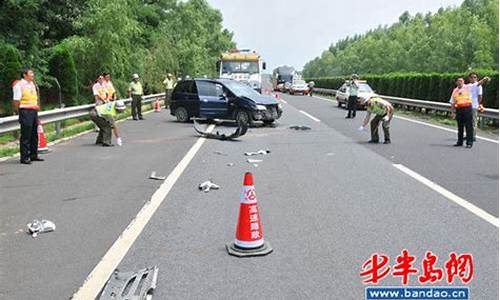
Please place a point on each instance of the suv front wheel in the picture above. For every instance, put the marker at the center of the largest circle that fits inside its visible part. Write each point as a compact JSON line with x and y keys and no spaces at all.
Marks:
{"x":242,"y":116}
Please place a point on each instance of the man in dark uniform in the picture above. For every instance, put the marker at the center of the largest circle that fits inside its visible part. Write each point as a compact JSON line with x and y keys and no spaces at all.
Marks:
{"x":26,"y":104}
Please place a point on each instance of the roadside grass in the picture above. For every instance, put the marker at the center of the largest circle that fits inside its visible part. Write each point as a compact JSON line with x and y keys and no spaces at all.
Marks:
{"x":9,"y":142}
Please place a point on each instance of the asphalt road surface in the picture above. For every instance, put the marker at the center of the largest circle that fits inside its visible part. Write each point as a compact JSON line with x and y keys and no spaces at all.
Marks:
{"x":328,"y":202}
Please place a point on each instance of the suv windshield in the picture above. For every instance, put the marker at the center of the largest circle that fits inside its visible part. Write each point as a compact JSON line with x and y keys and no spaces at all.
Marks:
{"x":240,"y":67}
{"x":241,"y":89}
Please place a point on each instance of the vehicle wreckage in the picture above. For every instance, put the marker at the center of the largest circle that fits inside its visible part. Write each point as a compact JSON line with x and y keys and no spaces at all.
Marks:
{"x":241,"y":130}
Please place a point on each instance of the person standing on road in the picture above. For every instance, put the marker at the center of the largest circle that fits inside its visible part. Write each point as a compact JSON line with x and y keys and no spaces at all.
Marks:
{"x":110,"y":88}
{"x":383,"y":111}
{"x":99,"y":91}
{"x":353,"y":96}
{"x":26,"y":104}
{"x":104,"y":117}
{"x":477,"y":100}
{"x":169,"y":83}
{"x":135,"y":92}
{"x":310,"y":85}
{"x":461,"y":110}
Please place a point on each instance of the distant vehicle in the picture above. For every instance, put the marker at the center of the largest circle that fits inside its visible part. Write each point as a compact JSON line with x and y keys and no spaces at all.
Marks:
{"x":365,"y":92}
{"x":242,"y":65}
{"x":299,"y":87}
{"x":281,"y":76}
{"x":222,"y":99}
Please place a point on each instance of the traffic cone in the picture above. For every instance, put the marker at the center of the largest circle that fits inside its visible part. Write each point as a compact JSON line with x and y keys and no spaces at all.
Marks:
{"x":42,"y":140}
{"x":249,"y":239}
{"x":157,"y":106}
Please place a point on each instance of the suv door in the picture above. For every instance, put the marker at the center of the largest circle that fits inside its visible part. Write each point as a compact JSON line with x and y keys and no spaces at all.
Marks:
{"x":213,"y":103}
{"x":186,"y":96}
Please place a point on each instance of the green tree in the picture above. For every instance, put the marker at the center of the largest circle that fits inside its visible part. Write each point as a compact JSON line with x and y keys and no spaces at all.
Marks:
{"x":62,"y":68}
{"x":10,"y":70}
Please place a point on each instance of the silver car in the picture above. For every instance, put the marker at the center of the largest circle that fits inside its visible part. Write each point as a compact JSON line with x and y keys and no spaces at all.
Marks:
{"x":364,"y":93}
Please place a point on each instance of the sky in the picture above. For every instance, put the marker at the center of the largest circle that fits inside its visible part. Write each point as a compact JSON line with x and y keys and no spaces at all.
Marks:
{"x":292,"y":32}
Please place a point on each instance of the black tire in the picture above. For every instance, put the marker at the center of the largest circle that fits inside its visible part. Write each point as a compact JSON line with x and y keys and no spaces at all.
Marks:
{"x":243,"y":116}
{"x":181,"y":114}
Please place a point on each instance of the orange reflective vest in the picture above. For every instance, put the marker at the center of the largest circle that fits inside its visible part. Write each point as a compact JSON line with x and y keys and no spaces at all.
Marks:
{"x":462,"y":97}
{"x":110,"y":90}
{"x":29,"y":95}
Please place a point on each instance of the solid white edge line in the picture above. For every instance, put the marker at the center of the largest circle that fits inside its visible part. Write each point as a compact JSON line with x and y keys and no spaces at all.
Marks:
{"x":442,"y":128}
{"x":100,"y":274}
{"x":310,"y":116}
{"x":458,"y":200}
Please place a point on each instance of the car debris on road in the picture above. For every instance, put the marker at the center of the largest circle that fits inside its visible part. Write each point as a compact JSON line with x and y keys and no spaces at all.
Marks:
{"x":156,"y":177}
{"x":43,"y":226}
{"x":260,"y":152}
{"x":207,"y":186}
{"x":138,"y":285}
{"x":240,"y":131}
{"x":299,"y":127}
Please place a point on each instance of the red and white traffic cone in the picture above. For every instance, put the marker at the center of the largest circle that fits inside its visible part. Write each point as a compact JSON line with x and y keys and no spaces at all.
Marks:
{"x":42,"y":140}
{"x":249,"y":239}
{"x":157,"y":106}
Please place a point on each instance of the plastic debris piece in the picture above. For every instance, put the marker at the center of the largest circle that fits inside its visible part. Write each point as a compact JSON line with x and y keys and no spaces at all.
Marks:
{"x":300,"y":127}
{"x":207,"y":186}
{"x":240,"y":131}
{"x":361,"y":128}
{"x":138,"y":285}
{"x":260,"y":152}
{"x":253,"y":161}
{"x":230,"y":164}
{"x":220,"y":153}
{"x":156,"y":177}
{"x":43,"y":226}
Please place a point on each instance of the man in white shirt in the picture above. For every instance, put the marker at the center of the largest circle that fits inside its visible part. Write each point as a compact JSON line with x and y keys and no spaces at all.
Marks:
{"x":477,"y":99}
{"x":99,"y":91}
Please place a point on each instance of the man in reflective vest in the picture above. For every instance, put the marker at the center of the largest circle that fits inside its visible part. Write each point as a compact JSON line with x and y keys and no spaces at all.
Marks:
{"x":169,"y":84}
{"x":110,"y":88}
{"x":383,"y":111}
{"x":27,"y":104}
{"x":104,"y":117}
{"x":99,"y":91}
{"x":461,"y":110}
{"x":135,"y":92}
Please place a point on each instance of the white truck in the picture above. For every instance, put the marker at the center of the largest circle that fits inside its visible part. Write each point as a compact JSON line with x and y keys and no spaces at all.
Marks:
{"x":242,"y":65}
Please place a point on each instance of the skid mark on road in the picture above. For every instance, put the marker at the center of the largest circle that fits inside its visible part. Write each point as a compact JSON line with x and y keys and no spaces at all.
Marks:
{"x":99,"y":276}
{"x":458,"y":200}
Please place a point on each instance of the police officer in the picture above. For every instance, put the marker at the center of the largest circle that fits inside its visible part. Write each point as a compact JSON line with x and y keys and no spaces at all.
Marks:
{"x":135,"y":92}
{"x":103,"y":116}
{"x":383,"y":111}
{"x":461,"y":110}
{"x":99,"y":91}
{"x":169,"y":83}
{"x":353,"y":96}
{"x":310,"y":85}
{"x":27,"y":104}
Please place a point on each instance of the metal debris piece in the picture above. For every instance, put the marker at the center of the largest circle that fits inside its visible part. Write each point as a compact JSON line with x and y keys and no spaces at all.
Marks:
{"x":37,"y":226}
{"x":220,"y":153}
{"x":138,"y":285}
{"x":230,"y":164}
{"x":260,"y":152}
{"x":240,"y":131}
{"x":330,"y":154}
{"x":207,"y":186}
{"x":300,"y":127}
{"x":156,"y":177}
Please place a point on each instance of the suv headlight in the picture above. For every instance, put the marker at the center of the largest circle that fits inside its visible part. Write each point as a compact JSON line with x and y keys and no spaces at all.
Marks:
{"x":261,"y":107}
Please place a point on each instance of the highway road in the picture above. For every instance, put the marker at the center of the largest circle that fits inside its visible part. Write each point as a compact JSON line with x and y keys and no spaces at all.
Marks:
{"x":328,"y":202}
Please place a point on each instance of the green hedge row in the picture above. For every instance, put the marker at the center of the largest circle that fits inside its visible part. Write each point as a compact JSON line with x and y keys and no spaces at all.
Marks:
{"x":432,"y":87}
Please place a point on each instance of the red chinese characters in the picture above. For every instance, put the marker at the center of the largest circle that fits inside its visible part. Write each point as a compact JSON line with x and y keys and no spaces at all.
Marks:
{"x":377,"y":267}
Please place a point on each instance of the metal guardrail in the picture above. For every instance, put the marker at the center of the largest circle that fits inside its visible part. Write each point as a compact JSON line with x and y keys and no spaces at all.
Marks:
{"x":488,"y":113}
{"x":8,"y":124}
